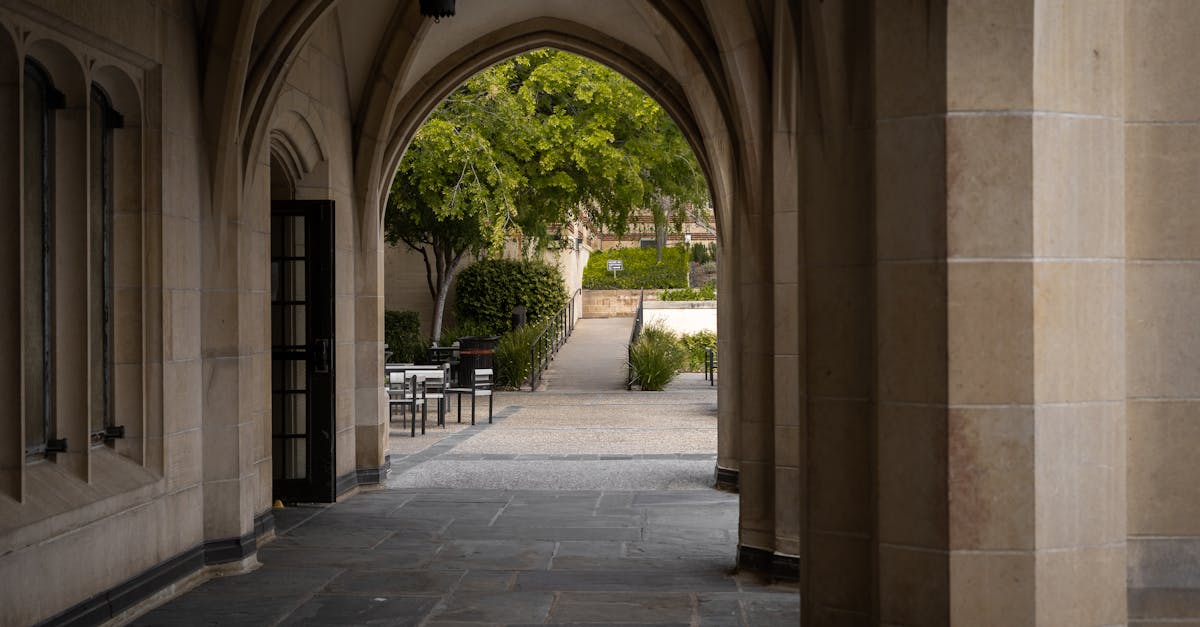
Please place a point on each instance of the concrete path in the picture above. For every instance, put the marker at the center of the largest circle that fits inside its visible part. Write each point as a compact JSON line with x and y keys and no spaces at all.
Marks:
{"x":575,"y":506}
{"x":593,"y":358}
{"x":576,"y":441}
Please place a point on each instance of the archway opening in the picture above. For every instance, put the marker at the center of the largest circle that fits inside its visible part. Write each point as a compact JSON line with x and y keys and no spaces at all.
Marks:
{"x":552,"y":156}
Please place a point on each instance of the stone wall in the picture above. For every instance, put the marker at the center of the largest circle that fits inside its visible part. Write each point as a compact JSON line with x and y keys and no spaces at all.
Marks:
{"x":77,"y":523}
{"x":683,"y":316}
{"x":614,"y":303}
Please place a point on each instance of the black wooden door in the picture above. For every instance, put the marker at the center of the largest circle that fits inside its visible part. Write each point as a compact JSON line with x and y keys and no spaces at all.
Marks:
{"x":302,"y":355}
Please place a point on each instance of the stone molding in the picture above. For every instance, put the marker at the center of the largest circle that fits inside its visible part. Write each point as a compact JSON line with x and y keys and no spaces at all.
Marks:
{"x":769,"y":563}
{"x":120,"y":598}
{"x":726,"y":478}
{"x":364,"y":476}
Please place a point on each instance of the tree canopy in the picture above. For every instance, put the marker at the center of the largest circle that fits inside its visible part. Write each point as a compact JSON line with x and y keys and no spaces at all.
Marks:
{"x":527,"y":146}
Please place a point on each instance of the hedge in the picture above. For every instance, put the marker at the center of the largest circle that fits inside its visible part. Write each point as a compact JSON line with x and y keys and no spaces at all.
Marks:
{"x":488,"y":290}
{"x":641,"y":269}
{"x":708,"y":292}
{"x":402,"y":334}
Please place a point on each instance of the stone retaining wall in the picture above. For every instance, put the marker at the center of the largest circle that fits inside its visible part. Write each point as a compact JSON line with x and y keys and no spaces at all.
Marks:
{"x":614,"y":303}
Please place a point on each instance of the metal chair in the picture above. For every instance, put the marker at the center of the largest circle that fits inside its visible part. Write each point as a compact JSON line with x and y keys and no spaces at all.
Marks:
{"x":409,"y":393}
{"x":434,"y":383}
{"x":479,"y":385}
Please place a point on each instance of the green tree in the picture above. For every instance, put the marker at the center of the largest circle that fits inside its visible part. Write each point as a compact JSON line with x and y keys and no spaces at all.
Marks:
{"x":604,"y":142}
{"x":527,"y":146}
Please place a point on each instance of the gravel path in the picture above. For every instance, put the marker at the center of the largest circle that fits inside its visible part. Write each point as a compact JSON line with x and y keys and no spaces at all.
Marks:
{"x":572,"y":440}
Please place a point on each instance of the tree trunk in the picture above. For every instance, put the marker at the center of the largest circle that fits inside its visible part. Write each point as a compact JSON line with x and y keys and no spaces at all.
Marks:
{"x":662,"y":222}
{"x":446,"y":274}
{"x":439,"y":308}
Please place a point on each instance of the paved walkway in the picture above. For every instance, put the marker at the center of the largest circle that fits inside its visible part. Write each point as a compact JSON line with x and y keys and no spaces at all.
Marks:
{"x":593,"y":359}
{"x":577,"y":440}
{"x":459,"y":558}
{"x":576,"y":506}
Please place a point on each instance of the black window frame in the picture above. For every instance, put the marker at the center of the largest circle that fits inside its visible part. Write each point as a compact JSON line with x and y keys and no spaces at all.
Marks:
{"x":36,"y":77}
{"x":110,"y":120}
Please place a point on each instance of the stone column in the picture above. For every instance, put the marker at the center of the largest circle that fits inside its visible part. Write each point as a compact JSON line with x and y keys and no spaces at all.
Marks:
{"x":911,"y":560}
{"x":1162,"y":245}
{"x":1001,"y":349}
{"x":788,"y":277}
{"x":835,"y":318}
{"x":228,"y":403}
{"x":370,"y":408}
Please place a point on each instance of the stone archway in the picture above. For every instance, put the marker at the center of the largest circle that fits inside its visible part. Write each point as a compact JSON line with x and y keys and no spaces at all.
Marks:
{"x":724,"y":132}
{"x":704,"y":63}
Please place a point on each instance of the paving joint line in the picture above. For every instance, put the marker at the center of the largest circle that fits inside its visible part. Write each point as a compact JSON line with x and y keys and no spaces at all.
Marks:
{"x":448,"y":443}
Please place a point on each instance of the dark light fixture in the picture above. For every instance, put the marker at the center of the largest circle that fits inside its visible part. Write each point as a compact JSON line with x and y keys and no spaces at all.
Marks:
{"x":437,"y":9}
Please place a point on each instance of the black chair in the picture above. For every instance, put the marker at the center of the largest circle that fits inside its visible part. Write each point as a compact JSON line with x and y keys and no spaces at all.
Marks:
{"x":479,"y":385}
{"x":407,"y":392}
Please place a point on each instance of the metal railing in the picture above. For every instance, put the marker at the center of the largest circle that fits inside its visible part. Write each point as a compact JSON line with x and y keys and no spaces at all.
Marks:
{"x":710,"y":366}
{"x":633,"y":337}
{"x":546,"y":345}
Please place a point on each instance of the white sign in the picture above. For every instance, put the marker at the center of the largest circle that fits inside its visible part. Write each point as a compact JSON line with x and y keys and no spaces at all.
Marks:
{"x":615,"y":264}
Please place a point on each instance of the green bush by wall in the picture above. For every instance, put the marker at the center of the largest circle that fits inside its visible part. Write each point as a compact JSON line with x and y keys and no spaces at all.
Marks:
{"x":704,"y":253}
{"x":707,"y":292}
{"x":402,"y":334}
{"x":641,"y":269}
{"x":695,"y":345}
{"x":488,"y":290}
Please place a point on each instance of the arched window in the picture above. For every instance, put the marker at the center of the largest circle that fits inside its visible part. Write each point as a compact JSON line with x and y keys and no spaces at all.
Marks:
{"x":102,"y":120}
{"x":37,"y":270}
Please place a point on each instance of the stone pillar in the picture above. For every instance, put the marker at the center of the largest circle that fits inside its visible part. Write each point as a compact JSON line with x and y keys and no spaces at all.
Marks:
{"x":728,"y":327}
{"x":754,"y":309}
{"x":1001,"y":424}
{"x":787,"y":274}
{"x":836,"y":310}
{"x":370,"y":407}
{"x":1162,"y":245}
{"x":912,"y":577}
{"x":752,"y":373}
{"x":228,"y":420}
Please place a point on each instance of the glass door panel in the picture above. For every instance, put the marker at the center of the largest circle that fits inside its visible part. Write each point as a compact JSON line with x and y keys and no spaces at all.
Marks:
{"x":302,"y":401}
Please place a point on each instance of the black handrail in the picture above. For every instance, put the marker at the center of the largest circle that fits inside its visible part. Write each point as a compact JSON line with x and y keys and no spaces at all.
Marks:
{"x":558,"y":328}
{"x":633,"y":337}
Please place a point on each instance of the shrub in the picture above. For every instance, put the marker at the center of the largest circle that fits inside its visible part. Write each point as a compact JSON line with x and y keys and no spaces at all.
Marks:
{"x":707,"y":292}
{"x":657,"y":331}
{"x":655,"y":358}
{"x":641,"y":269}
{"x":695,"y":344}
{"x":466,"y":328}
{"x":700,"y":253}
{"x":488,"y":290}
{"x":402,"y":334}
{"x":512,"y":359}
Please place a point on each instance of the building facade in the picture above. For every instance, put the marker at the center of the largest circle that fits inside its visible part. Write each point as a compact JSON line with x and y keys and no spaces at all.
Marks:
{"x":960,"y":372}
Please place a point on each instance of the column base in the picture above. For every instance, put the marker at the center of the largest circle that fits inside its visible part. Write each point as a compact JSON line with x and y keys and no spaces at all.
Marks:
{"x":364,"y":476}
{"x":727,"y":479}
{"x":769,"y":563}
